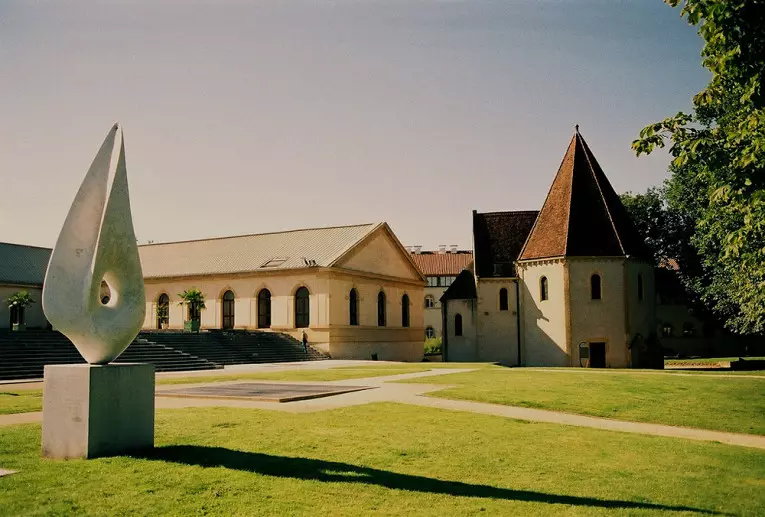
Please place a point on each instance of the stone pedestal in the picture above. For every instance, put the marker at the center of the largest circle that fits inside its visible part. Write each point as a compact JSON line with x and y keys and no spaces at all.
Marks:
{"x":92,"y":410}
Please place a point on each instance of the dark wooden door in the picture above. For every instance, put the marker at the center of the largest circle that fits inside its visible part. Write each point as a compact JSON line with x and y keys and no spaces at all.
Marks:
{"x":597,"y":355}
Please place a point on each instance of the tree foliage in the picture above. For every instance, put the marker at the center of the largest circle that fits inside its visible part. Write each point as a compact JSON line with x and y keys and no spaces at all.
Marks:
{"x":718,"y":167}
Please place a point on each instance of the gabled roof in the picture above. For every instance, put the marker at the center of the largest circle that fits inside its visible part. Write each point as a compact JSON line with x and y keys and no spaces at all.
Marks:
{"x":294,"y":249}
{"x":23,"y":265}
{"x":442,"y":264}
{"x":498,"y":238}
{"x":582,"y":215}
{"x":463,"y":287}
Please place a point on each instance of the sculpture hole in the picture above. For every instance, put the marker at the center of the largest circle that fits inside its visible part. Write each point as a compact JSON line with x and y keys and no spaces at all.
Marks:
{"x":106,"y":293}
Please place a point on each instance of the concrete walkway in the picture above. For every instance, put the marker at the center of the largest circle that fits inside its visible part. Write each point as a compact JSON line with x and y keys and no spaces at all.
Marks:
{"x":384,"y":390}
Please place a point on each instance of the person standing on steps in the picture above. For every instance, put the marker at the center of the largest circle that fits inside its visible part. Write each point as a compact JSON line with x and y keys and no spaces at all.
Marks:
{"x":305,"y":343}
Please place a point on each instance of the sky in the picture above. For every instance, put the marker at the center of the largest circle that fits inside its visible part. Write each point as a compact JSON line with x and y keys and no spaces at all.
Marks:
{"x":257,"y":116}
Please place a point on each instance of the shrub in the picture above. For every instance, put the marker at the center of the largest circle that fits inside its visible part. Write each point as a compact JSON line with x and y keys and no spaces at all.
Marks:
{"x":433,"y":346}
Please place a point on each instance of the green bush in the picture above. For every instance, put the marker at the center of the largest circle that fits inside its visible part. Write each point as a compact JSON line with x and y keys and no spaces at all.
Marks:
{"x":433,"y":345}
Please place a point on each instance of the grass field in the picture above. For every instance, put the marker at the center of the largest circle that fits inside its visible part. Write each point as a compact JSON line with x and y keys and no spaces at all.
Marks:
{"x":383,"y":459}
{"x":708,"y":402}
{"x":20,"y":401}
{"x":333,"y":374}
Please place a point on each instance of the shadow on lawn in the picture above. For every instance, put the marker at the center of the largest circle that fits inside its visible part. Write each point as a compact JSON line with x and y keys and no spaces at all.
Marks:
{"x":320,"y":470}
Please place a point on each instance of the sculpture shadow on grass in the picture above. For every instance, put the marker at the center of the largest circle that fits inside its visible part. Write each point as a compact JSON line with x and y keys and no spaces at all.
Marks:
{"x":330,"y":471}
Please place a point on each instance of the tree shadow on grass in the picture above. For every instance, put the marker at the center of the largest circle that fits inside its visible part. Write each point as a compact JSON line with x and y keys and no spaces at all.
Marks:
{"x":330,"y":471}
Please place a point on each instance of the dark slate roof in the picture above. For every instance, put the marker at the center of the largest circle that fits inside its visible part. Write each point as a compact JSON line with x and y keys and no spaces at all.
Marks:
{"x":498,"y":239}
{"x":463,"y":287}
{"x":582,"y":215}
{"x":23,"y":265}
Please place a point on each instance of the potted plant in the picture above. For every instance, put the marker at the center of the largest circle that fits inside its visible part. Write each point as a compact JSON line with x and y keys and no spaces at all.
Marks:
{"x":17,"y":303}
{"x":195,"y":301}
{"x":162,"y":312}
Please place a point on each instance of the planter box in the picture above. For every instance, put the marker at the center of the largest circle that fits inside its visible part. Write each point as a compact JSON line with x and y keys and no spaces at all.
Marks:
{"x":191,"y":326}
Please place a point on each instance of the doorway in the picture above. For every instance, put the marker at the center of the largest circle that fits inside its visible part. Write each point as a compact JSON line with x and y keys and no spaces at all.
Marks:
{"x":597,"y":355}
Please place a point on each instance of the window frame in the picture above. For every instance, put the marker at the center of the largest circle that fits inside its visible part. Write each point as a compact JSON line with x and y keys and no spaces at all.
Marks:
{"x":544,"y":289}
{"x":504,"y":297}
{"x":382,"y":309}
{"x":595,"y":278}
{"x":305,"y":301}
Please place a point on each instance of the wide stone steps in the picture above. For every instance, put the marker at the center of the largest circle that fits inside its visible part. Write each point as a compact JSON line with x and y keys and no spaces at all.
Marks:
{"x":23,"y":355}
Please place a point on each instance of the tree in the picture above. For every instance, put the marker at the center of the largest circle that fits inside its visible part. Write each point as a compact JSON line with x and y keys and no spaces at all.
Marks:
{"x":195,"y":300}
{"x":718,"y":167}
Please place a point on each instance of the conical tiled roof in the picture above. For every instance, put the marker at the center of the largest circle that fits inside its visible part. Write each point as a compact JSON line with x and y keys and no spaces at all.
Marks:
{"x":582,"y":215}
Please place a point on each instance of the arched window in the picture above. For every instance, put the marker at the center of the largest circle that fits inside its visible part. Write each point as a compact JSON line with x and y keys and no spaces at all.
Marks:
{"x":430,"y":302}
{"x":228,"y":310}
{"x":430,"y":333}
{"x":302,"y":308}
{"x":458,"y":324}
{"x":264,"y":309}
{"x":381,"y":309}
{"x":640,"y":287}
{"x":543,"y":288}
{"x":163,"y":310}
{"x":503,"y":299}
{"x":353,"y":307}
{"x":595,"y":286}
{"x":405,"y":310}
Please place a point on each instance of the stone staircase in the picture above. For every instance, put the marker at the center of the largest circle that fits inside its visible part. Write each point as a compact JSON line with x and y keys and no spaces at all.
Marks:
{"x":23,"y":355}
{"x":227,"y":347}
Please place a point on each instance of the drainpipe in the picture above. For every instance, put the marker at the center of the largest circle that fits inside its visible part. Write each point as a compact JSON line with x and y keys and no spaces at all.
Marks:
{"x":518,"y":318}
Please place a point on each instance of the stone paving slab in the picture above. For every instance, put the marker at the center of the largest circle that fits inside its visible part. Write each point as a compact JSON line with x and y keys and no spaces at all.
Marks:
{"x":6,"y":472}
{"x":272,"y":392}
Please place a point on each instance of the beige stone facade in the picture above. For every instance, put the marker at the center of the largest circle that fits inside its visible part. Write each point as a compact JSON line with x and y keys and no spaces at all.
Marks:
{"x":570,"y":285}
{"x":376,"y":267}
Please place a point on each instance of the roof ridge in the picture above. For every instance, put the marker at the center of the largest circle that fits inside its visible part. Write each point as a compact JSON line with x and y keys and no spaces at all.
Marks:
{"x":260,"y":234}
{"x":26,"y":246}
{"x":508,"y":212}
{"x":549,"y":190}
{"x":577,"y":135}
{"x":602,"y":197}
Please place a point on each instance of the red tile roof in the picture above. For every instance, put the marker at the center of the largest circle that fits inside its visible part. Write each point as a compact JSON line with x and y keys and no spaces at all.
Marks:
{"x":582,"y":215}
{"x":442,"y":264}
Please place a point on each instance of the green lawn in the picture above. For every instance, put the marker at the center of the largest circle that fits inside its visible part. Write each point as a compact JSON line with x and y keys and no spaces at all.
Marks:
{"x":383,"y":459}
{"x":20,"y":401}
{"x":708,"y":402}
{"x":333,"y":374}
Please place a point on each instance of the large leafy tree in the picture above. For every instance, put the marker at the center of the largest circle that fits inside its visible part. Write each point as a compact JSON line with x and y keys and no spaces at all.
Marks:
{"x":718,"y":162}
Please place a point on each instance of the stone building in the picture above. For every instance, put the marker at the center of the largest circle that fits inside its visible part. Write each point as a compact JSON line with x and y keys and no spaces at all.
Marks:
{"x":571,"y":285}
{"x":440,"y":268}
{"x":22,"y":268}
{"x":353,"y":290}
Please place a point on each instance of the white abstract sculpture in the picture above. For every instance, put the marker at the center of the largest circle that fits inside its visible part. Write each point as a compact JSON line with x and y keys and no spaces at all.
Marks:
{"x":97,"y":243}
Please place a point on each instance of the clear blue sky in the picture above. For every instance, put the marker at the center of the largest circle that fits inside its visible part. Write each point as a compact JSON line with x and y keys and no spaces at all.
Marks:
{"x":253,"y":116}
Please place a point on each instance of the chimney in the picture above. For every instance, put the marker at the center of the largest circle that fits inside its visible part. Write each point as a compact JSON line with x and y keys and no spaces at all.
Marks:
{"x":441,"y":249}
{"x":453,"y":248}
{"x":417,"y":249}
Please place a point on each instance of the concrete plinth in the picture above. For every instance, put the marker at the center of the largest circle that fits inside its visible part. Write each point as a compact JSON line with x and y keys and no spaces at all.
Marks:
{"x":91,"y":410}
